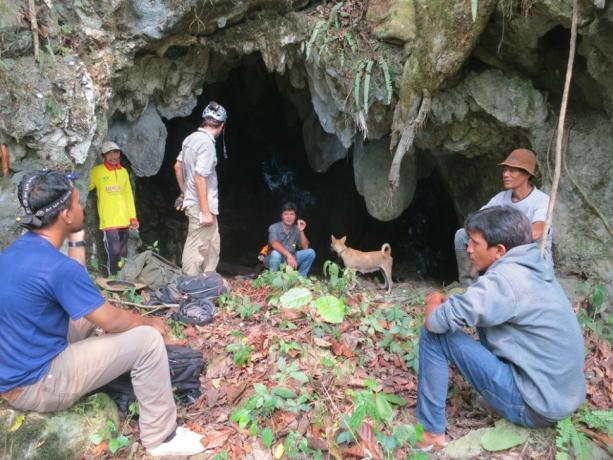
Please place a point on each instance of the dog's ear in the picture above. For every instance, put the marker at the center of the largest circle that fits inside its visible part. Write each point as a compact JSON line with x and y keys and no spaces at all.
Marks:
{"x":332,"y":238}
{"x":343,"y":239}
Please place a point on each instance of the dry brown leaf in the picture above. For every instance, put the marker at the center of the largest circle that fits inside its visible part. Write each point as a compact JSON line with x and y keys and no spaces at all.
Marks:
{"x":357,"y":450}
{"x":321,"y":342}
{"x":215,"y":439}
{"x":235,"y":391}
{"x":339,"y":348}
{"x":317,"y":443}
{"x":369,"y":441}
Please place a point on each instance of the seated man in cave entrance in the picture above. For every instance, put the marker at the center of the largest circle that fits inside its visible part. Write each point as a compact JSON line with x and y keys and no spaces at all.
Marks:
{"x":517,"y":172}
{"x":288,"y":242}
{"x":528,"y":362}
{"x":195,"y":170}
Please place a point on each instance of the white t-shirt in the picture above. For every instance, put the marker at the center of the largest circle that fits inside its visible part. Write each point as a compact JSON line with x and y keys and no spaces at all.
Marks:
{"x":534,"y":207}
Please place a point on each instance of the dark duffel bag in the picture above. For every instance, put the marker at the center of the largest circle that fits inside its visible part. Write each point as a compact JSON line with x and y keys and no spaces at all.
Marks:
{"x":207,"y":285}
{"x":186,"y":366}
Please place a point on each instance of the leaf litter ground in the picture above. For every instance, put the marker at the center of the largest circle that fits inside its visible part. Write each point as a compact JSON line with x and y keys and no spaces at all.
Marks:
{"x":282,"y":382}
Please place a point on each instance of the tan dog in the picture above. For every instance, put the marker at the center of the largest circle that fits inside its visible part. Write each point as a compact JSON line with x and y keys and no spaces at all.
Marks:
{"x":366,"y":262}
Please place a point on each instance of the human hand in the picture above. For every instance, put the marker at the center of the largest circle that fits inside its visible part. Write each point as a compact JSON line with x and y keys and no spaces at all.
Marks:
{"x":206,"y":219}
{"x":433,"y":301}
{"x":435,"y":298}
{"x":291,"y":261}
{"x":301,"y":224}
{"x":179,"y":202}
{"x":134,"y":223}
{"x":77,"y":236}
{"x":157,"y":323}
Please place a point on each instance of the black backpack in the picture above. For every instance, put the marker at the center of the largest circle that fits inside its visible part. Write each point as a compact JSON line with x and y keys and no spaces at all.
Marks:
{"x":186,"y":366}
{"x":199,"y":292}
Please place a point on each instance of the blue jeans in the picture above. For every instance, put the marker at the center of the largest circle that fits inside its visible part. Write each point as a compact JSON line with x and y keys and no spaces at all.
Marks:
{"x":304,"y":258}
{"x":490,"y":376}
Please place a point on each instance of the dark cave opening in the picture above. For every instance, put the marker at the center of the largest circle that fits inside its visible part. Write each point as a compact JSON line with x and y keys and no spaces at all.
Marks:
{"x":266,"y":166}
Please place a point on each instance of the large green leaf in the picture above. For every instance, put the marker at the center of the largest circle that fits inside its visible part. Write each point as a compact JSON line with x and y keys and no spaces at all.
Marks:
{"x":296,"y":298}
{"x":331,"y":309}
{"x":503,"y":436}
{"x":267,"y":437}
{"x":384,"y":408}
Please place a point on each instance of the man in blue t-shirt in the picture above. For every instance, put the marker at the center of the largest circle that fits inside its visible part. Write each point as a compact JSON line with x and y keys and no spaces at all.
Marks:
{"x":49,"y":309}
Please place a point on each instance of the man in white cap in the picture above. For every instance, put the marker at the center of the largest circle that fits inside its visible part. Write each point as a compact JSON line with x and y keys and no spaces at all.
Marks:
{"x":197,"y":179}
{"x":116,"y":208}
{"x":517,"y":171}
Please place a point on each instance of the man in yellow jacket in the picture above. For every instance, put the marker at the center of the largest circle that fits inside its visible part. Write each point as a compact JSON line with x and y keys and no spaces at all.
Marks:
{"x":116,"y":208}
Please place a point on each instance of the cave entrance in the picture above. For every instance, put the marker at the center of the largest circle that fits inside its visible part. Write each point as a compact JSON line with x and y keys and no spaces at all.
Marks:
{"x":267,"y":165}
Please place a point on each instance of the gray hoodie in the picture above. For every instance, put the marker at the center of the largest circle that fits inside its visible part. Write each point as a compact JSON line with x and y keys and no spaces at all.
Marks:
{"x":528,"y":322}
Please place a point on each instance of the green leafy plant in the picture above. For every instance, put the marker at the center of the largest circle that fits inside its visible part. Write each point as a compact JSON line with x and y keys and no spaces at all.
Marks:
{"x":600,"y":420}
{"x":223,"y":455}
{"x":570,"y":443}
{"x":330,"y":308}
{"x":264,"y":402}
{"x":241,"y":304}
{"x":109,"y":433}
{"x":155,"y":246}
{"x":53,"y":106}
{"x":176,"y":328}
{"x":281,"y":280}
{"x":241,"y":352}
{"x":291,"y":371}
{"x":338,"y":280}
{"x":296,"y":298}
{"x":287,"y":347}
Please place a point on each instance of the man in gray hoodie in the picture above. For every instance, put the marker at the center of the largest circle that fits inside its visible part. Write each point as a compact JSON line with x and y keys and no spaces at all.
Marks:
{"x":528,"y":363}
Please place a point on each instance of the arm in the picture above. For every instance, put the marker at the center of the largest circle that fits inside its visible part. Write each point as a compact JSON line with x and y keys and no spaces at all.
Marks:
{"x":206,"y":218}
{"x":537,"y":230}
{"x":304,"y":241}
{"x":113,"y":319}
{"x":128,"y":197}
{"x":179,"y":175}
{"x":77,"y":253}
{"x":489,"y":302}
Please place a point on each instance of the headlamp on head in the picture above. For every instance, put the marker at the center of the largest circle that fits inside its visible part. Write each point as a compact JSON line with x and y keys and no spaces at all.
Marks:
{"x":215,"y":111}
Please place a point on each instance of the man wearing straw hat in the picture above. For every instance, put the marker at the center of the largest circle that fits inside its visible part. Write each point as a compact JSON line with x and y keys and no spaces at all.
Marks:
{"x":517,"y":171}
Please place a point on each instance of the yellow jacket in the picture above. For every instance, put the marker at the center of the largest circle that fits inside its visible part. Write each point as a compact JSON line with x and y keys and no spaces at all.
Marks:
{"x":115,"y":199}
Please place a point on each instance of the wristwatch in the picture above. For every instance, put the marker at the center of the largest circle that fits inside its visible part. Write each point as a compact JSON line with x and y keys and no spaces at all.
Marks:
{"x":76,"y":244}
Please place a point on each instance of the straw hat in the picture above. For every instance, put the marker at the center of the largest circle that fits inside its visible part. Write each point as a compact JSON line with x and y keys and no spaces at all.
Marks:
{"x":522,"y":159}
{"x":118,"y":285}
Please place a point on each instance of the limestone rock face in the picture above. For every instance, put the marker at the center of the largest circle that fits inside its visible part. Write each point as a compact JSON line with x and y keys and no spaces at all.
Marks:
{"x":143,"y":141}
{"x":120,"y":68}
{"x":371,"y":163}
{"x":57,"y":435}
{"x":393,"y":20}
{"x":582,"y":244}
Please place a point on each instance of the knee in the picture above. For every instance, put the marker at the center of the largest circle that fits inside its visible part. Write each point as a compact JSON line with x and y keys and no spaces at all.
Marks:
{"x":148,"y":338}
{"x":309,"y":253}
{"x":460,"y":239}
{"x":276,"y":257}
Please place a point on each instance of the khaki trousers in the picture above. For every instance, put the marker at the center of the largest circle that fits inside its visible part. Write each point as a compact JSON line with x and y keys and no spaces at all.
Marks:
{"x":91,"y":362}
{"x":202,"y":246}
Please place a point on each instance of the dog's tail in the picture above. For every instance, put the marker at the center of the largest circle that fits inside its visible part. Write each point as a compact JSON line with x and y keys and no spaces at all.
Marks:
{"x":386,"y":249}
